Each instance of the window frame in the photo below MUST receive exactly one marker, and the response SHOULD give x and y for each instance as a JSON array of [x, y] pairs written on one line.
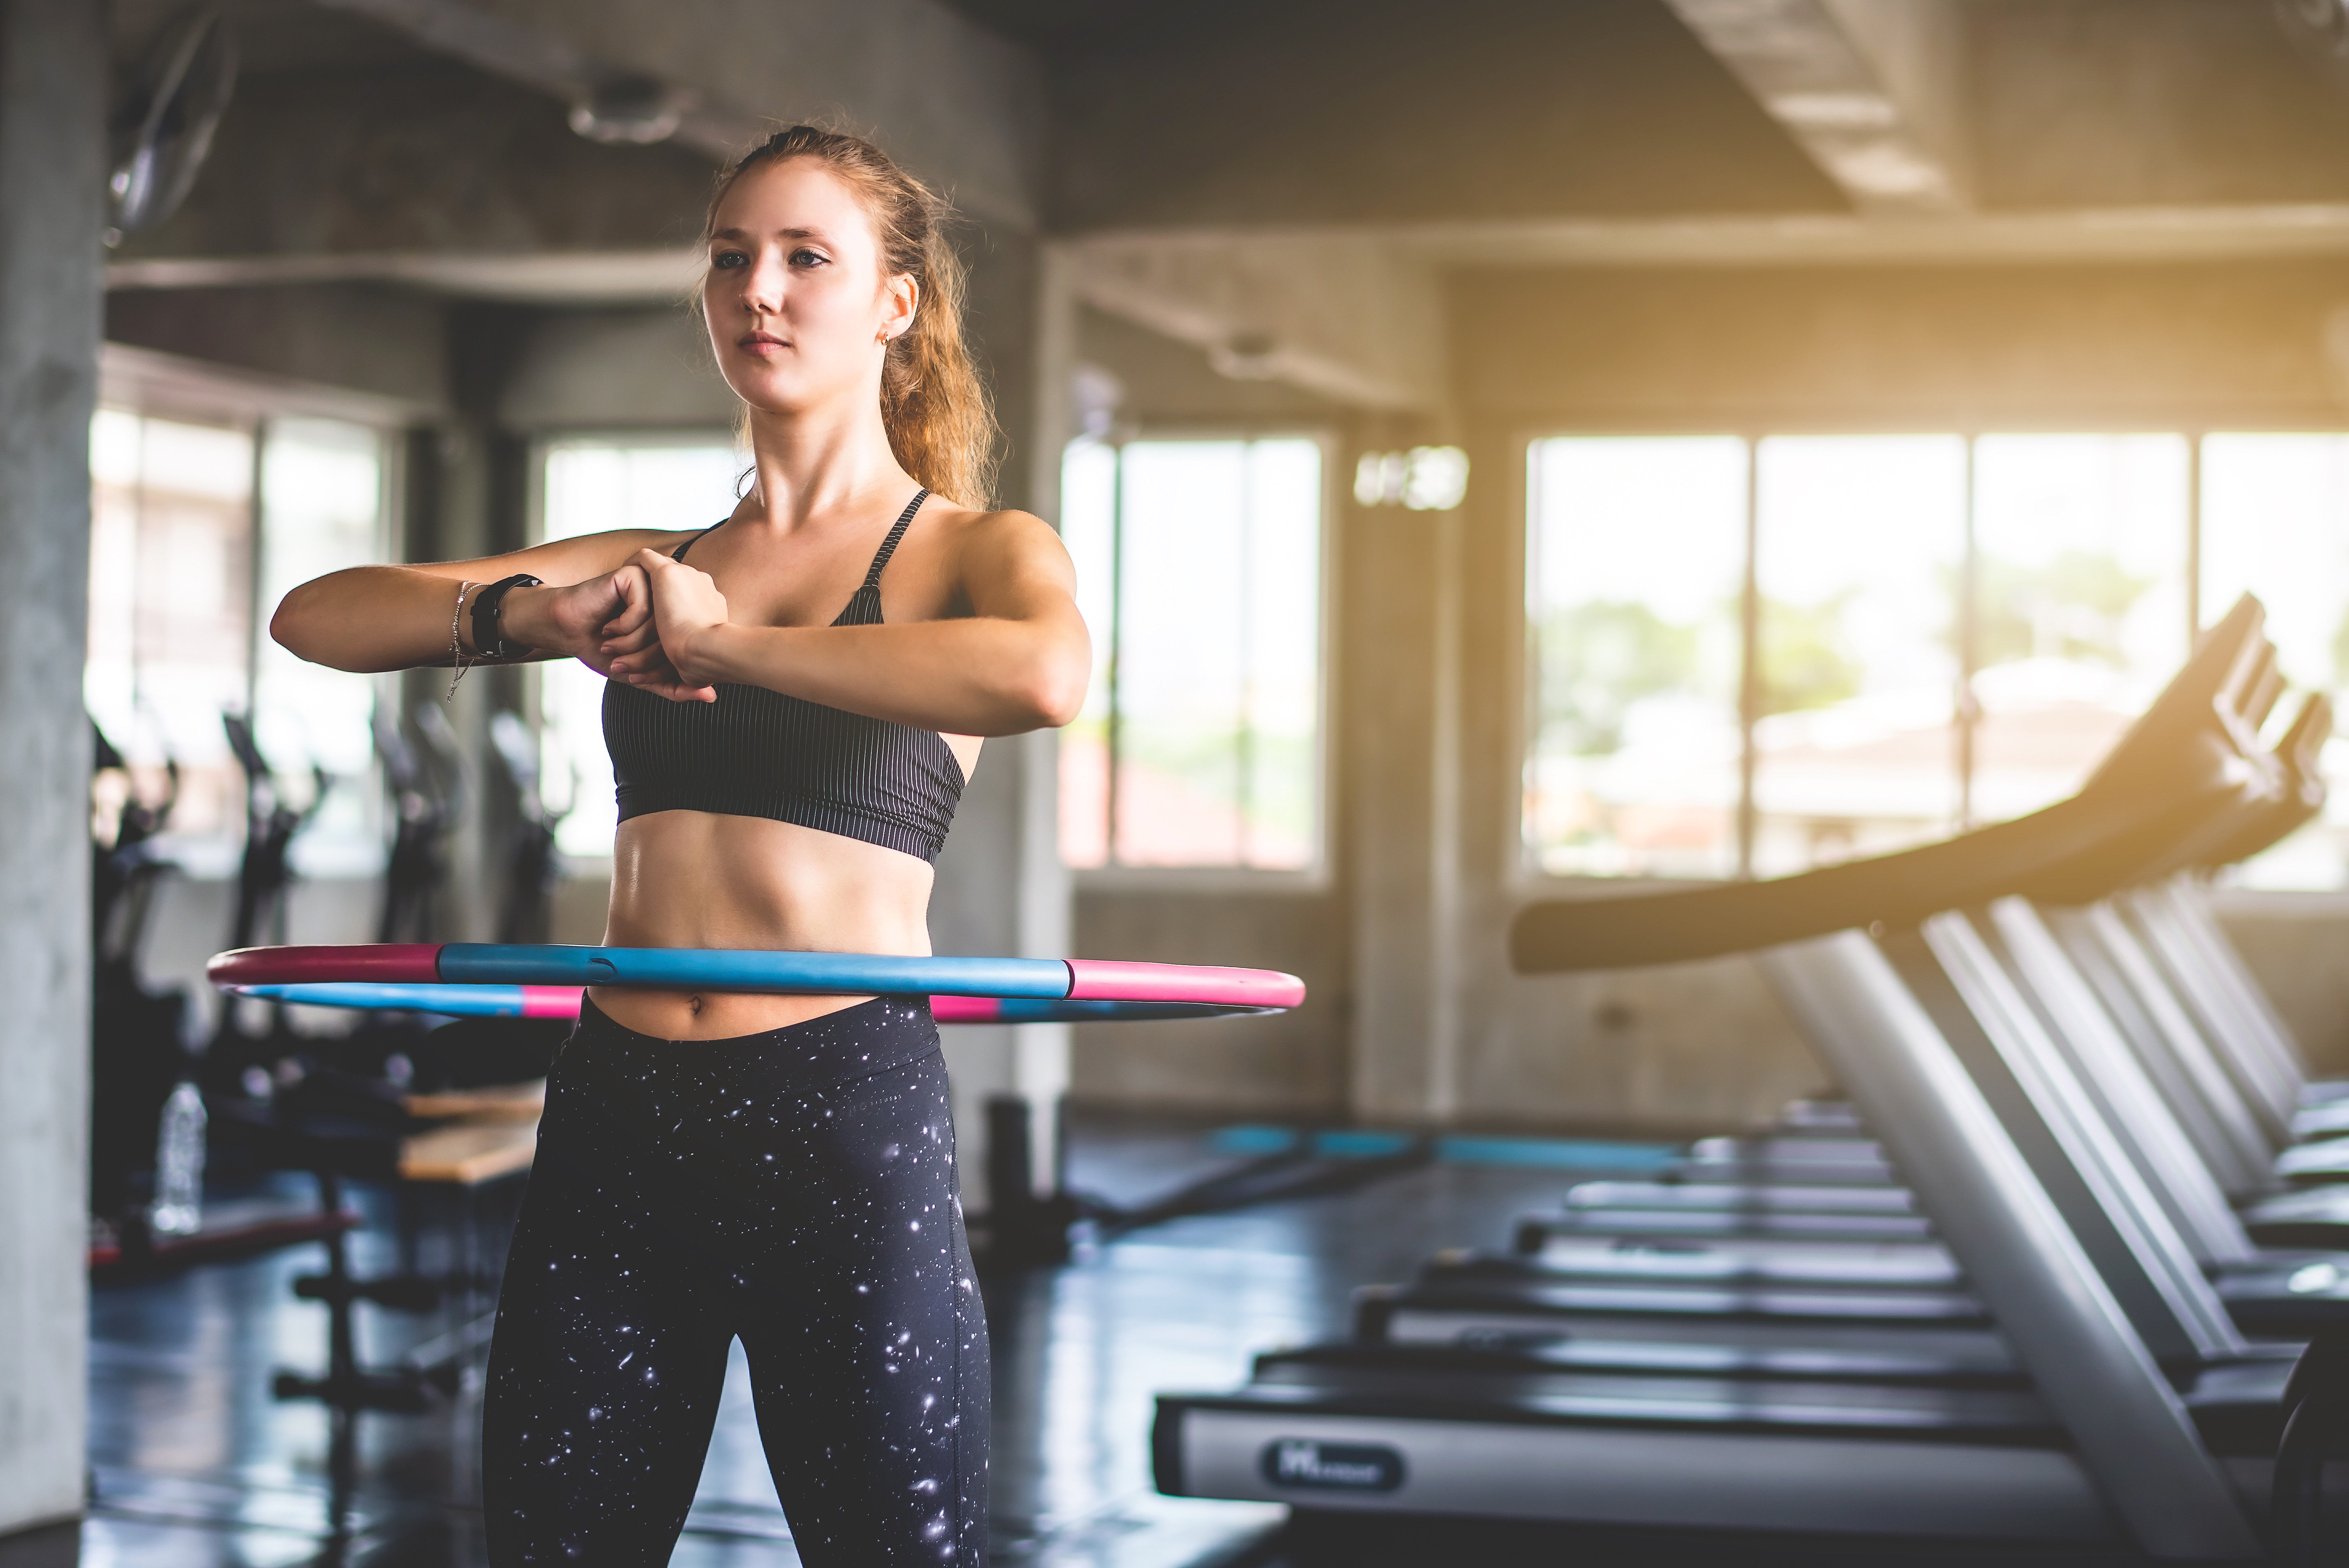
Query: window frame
[[1318, 874]]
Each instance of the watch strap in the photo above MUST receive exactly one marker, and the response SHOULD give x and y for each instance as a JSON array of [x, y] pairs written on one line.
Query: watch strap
[[488, 637]]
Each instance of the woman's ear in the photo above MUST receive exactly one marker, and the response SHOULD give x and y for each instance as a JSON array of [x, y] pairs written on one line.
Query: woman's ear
[[905, 298]]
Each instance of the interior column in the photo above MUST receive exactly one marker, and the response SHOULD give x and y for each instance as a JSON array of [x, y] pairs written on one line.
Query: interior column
[[1001, 888], [53, 75], [1400, 786]]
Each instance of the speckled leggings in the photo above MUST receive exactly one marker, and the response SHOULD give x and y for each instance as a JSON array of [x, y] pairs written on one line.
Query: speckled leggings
[[795, 1189]]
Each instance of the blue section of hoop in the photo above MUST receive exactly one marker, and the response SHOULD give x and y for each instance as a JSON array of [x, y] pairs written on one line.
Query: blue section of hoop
[[810, 974], [468, 1002]]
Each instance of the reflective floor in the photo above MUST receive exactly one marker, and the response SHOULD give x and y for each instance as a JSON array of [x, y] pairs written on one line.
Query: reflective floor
[[194, 1463]]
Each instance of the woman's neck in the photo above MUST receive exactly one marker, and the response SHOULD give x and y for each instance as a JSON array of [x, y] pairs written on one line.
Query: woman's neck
[[809, 464]]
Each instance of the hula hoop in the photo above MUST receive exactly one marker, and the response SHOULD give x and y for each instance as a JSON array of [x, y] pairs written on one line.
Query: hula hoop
[[500, 980], [563, 1002]]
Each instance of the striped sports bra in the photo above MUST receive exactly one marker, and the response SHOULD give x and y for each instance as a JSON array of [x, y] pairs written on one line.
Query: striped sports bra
[[759, 753]]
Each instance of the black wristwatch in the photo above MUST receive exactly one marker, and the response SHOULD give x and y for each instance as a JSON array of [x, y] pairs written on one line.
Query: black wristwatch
[[487, 639]]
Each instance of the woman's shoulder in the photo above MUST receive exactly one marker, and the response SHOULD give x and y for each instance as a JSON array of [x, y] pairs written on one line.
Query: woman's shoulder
[[969, 525]]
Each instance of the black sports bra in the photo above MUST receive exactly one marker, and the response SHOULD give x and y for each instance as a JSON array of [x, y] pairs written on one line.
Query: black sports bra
[[758, 753]]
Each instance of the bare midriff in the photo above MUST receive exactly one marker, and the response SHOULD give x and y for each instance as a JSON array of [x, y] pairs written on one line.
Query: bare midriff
[[695, 879]]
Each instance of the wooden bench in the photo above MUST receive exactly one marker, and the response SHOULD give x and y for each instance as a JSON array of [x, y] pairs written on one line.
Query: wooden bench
[[468, 1154]]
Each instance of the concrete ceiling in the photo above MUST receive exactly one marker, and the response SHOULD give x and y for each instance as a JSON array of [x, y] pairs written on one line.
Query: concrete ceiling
[[1221, 171]]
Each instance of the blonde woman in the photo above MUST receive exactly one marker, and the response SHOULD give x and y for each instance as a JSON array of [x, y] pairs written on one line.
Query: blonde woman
[[796, 700]]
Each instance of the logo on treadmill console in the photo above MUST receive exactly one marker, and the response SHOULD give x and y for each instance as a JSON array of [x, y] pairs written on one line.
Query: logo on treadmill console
[[1332, 1467]]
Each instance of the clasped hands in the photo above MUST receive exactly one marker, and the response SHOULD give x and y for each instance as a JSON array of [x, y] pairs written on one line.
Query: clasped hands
[[648, 625]]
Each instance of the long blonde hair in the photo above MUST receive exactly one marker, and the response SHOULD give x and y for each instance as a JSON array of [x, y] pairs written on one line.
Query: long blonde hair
[[935, 405]]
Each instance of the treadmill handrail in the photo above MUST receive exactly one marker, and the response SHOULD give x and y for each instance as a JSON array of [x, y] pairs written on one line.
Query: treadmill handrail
[[2133, 1434], [2187, 763], [2072, 852], [2298, 752]]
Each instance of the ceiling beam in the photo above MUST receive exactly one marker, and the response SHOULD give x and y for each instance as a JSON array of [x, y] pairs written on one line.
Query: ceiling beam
[[959, 106], [549, 63], [1358, 323], [1872, 89]]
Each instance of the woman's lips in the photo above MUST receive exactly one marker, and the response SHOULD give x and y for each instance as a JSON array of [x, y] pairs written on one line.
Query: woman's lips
[[760, 342]]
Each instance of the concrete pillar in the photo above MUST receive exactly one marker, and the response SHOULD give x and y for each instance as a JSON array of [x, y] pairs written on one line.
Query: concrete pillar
[[1001, 888], [1001, 891], [1401, 782], [53, 76]]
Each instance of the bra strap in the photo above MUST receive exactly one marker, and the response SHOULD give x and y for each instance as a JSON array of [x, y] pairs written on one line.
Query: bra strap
[[889, 545], [679, 553]]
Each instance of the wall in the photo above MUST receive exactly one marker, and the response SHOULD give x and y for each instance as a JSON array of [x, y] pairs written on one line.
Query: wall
[[2181, 346], [2298, 946], [368, 339], [2207, 344], [2169, 347]]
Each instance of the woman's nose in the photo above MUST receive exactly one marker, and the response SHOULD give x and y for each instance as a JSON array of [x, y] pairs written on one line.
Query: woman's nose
[[763, 291]]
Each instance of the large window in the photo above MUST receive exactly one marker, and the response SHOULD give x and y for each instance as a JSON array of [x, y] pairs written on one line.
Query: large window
[[176, 578], [593, 485], [1636, 567], [2275, 521], [1759, 656], [1200, 573], [321, 510]]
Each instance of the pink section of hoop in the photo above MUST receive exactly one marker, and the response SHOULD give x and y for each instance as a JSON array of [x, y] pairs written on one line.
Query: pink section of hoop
[[1110, 979], [398, 963], [965, 1009], [552, 1001]]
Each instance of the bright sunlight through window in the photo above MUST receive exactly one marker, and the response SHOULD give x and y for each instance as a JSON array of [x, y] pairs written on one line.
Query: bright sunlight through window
[[1893, 636], [1199, 573], [593, 486]]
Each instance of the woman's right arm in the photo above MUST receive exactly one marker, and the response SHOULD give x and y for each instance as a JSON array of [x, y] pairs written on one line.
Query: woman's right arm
[[374, 618]]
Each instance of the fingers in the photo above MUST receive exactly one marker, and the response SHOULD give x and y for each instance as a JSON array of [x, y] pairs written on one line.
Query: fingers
[[649, 672], [649, 669], [631, 601], [677, 691], [618, 644]]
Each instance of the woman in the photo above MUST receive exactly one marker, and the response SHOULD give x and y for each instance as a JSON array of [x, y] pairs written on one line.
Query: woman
[[775, 1168]]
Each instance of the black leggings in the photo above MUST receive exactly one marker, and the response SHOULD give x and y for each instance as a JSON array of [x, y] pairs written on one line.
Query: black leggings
[[794, 1189]]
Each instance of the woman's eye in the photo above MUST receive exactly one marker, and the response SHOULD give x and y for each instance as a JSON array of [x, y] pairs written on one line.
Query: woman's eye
[[807, 258], [727, 261]]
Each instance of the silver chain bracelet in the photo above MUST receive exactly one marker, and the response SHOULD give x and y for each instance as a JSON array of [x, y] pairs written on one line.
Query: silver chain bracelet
[[456, 646]]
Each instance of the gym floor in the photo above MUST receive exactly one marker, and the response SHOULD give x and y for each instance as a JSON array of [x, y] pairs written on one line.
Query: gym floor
[[194, 1465]]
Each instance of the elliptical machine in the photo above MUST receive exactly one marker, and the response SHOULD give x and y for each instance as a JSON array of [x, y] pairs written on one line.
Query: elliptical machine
[[427, 782], [471, 1053], [525, 911], [263, 879], [138, 1032]]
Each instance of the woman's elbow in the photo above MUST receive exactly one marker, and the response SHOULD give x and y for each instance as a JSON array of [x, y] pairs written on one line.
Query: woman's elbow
[[1052, 693], [288, 627], [308, 631]]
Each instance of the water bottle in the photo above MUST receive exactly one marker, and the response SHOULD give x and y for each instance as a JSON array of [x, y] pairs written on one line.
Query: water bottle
[[180, 1166]]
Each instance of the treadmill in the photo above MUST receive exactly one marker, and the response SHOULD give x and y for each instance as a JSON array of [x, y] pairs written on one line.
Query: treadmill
[[1709, 1235], [1794, 1181], [2141, 1383], [2184, 1167], [2132, 1409]]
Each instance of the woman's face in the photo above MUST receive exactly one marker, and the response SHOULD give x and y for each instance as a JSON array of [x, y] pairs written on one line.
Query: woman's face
[[795, 298]]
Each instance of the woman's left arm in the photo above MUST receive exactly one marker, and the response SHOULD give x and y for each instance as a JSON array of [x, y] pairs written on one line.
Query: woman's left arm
[[1019, 660]]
